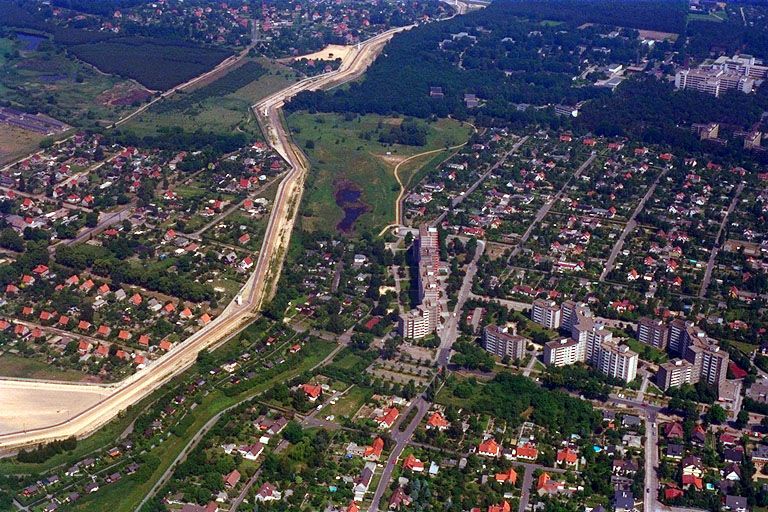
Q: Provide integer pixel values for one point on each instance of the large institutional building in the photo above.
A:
(424, 319)
(726, 73)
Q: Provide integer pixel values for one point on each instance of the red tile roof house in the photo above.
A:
(508, 477)
(232, 479)
(673, 430)
(312, 391)
(489, 448)
(412, 463)
(437, 422)
(373, 452)
(268, 492)
(527, 452)
(388, 419)
(567, 456)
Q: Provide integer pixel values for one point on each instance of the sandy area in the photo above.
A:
(330, 52)
(391, 159)
(23, 406)
(657, 36)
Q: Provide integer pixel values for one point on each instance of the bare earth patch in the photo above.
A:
(24, 407)
(330, 52)
(16, 143)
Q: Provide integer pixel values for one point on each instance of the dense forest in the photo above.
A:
(521, 57)
(652, 111)
(158, 62)
(507, 396)
(491, 53)
(101, 8)
(665, 16)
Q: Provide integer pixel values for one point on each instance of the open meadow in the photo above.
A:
(351, 185)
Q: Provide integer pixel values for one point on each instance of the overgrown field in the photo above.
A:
(346, 153)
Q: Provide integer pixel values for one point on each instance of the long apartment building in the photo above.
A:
(499, 342)
(699, 357)
(424, 319)
(726, 73)
(590, 342)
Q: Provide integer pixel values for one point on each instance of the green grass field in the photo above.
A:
(67, 88)
(218, 114)
(350, 403)
(341, 153)
(706, 17)
(646, 351)
(16, 366)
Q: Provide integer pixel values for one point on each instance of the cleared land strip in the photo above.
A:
(238, 313)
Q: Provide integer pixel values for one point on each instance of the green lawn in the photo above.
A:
(705, 17)
(225, 114)
(647, 352)
(16, 366)
(343, 153)
(349, 404)
(65, 88)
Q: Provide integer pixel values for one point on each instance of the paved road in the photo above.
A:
(525, 496)
(458, 199)
(718, 243)
(181, 457)
(630, 227)
(529, 367)
(651, 461)
(544, 210)
(401, 441)
(450, 331)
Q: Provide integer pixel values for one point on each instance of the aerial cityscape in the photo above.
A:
(377, 255)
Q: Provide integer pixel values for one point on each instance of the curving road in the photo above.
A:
(245, 306)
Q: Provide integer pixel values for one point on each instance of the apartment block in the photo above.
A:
(418, 322)
(617, 361)
(563, 352)
(546, 313)
(423, 320)
(499, 342)
(674, 373)
(653, 332)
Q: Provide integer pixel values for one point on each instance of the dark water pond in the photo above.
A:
(52, 78)
(348, 199)
(31, 41)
